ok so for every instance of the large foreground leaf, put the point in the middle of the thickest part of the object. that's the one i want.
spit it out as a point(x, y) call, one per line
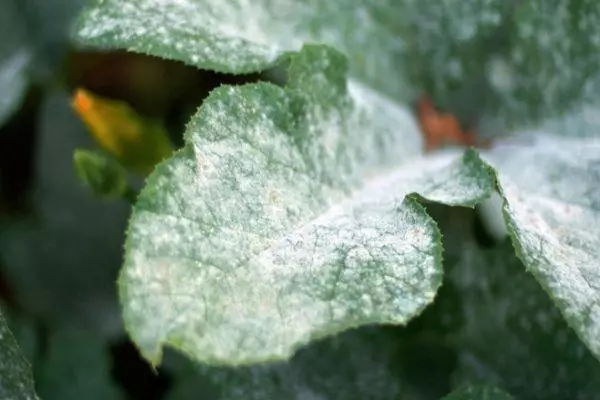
point(283, 220)
point(16, 382)
point(280, 220)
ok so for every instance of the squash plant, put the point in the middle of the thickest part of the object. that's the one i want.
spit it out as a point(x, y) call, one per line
point(279, 248)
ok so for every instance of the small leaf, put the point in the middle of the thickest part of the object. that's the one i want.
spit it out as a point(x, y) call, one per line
point(16, 382)
point(138, 143)
point(102, 175)
point(551, 187)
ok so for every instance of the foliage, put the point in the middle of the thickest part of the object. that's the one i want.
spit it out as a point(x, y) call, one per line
point(298, 244)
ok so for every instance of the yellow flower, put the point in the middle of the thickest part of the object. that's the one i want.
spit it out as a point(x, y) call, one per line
point(138, 143)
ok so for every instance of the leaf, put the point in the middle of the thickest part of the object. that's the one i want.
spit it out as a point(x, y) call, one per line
point(16, 382)
point(279, 222)
point(240, 37)
point(359, 364)
point(14, 59)
point(552, 209)
point(496, 62)
point(62, 263)
point(535, 354)
point(137, 142)
point(76, 367)
point(472, 54)
point(478, 393)
point(102, 175)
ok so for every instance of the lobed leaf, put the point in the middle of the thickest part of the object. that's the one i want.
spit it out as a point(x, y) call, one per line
point(280, 220)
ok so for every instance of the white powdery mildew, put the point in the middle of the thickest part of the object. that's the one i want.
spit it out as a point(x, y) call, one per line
point(231, 34)
point(16, 382)
point(553, 203)
point(252, 240)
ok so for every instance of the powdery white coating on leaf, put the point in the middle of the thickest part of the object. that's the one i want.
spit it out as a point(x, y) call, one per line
point(552, 192)
point(239, 36)
point(16, 382)
point(282, 221)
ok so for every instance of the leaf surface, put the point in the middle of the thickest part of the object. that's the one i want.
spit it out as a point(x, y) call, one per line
point(16, 381)
point(497, 63)
point(535, 354)
point(359, 364)
point(281, 221)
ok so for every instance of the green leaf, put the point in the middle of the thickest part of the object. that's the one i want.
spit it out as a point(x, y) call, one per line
point(104, 176)
point(552, 194)
point(16, 382)
point(359, 364)
point(281, 222)
point(509, 332)
point(480, 54)
point(14, 59)
point(478, 393)
point(238, 37)
point(77, 366)
point(496, 62)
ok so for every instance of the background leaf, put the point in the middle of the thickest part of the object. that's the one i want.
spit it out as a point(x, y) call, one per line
point(16, 382)
point(15, 55)
point(76, 366)
point(553, 213)
point(53, 279)
point(359, 364)
point(535, 354)
point(499, 64)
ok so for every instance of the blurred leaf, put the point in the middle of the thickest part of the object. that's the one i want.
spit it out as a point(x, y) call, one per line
point(62, 262)
point(48, 25)
point(478, 393)
point(509, 333)
point(76, 367)
point(16, 382)
point(359, 364)
point(104, 176)
point(138, 143)
point(15, 56)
